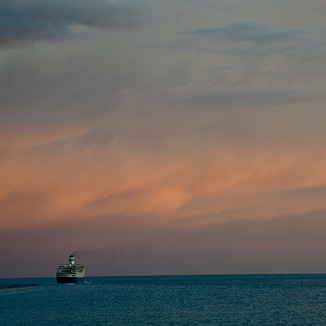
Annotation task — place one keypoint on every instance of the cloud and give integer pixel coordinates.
(251, 32)
(250, 36)
(28, 21)
(221, 98)
(316, 5)
(189, 176)
(246, 40)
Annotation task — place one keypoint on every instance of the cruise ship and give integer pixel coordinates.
(70, 273)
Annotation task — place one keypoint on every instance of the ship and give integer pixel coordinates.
(71, 272)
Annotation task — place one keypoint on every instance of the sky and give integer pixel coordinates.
(162, 136)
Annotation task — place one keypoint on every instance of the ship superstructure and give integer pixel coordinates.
(70, 273)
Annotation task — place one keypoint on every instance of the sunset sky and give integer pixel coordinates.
(162, 136)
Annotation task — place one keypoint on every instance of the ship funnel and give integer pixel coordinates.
(71, 260)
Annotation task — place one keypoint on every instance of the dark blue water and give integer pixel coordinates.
(167, 300)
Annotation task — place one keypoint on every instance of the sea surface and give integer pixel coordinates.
(166, 300)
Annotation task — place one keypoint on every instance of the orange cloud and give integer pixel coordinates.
(215, 182)
(180, 167)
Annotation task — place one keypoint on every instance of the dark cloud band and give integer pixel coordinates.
(251, 32)
(23, 21)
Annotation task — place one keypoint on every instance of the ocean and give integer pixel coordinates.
(292, 299)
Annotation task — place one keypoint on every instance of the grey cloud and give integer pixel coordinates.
(222, 98)
(33, 20)
(52, 89)
(46, 98)
(251, 32)
(242, 38)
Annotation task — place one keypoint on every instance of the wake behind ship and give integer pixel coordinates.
(70, 273)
